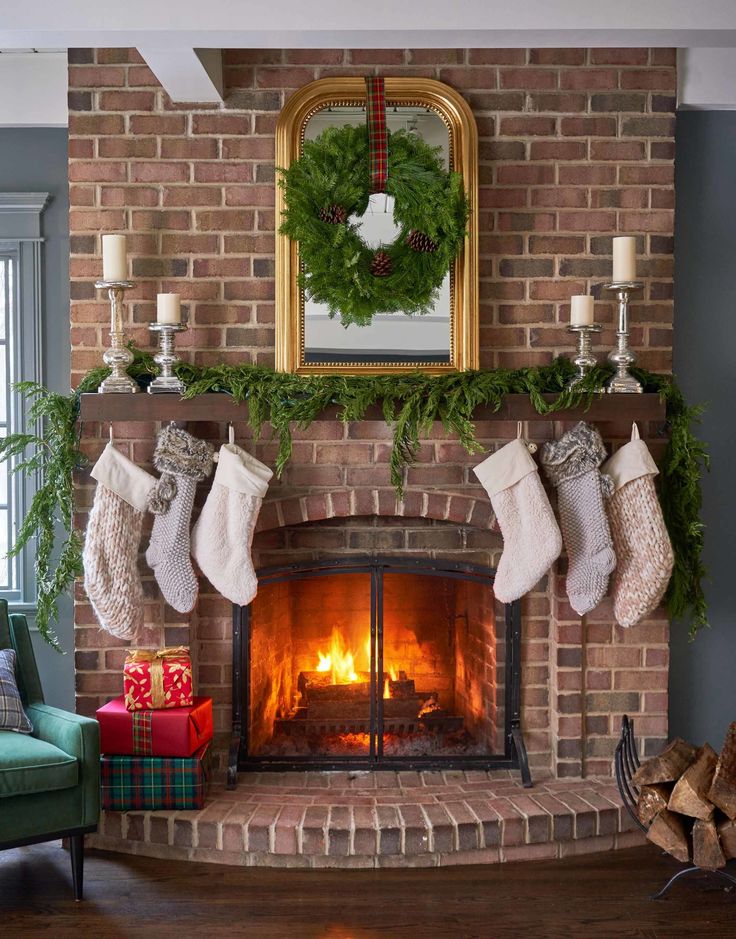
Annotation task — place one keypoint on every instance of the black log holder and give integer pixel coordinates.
(626, 763)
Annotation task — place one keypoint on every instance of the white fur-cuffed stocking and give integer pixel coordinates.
(223, 535)
(531, 537)
(110, 557)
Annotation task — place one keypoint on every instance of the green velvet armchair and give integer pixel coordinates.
(49, 780)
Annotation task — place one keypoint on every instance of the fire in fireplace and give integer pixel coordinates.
(365, 662)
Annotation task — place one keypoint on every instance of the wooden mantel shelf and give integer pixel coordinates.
(220, 407)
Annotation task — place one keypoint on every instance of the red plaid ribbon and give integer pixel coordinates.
(142, 735)
(377, 134)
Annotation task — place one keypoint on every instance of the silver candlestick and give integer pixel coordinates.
(623, 382)
(118, 357)
(166, 358)
(585, 360)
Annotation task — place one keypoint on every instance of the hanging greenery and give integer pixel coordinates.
(327, 189)
(409, 402)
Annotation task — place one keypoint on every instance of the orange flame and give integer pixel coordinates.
(339, 660)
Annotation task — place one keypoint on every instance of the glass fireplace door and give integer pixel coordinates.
(375, 661)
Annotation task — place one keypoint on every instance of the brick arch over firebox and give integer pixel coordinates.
(346, 503)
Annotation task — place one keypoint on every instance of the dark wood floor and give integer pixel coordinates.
(594, 896)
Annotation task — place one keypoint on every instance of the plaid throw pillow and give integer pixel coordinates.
(12, 715)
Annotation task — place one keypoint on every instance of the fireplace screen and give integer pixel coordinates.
(376, 661)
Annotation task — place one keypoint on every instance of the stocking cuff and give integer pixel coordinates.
(577, 452)
(180, 453)
(240, 471)
(115, 471)
(505, 467)
(630, 462)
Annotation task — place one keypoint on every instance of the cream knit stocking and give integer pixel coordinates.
(531, 538)
(643, 547)
(223, 534)
(571, 463)
(183, 461)
(110, 557)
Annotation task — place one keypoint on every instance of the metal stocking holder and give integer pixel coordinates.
(626, 763)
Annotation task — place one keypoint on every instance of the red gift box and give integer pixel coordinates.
(158, 680)
(172, 732)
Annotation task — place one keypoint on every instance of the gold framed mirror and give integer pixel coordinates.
(445, 338)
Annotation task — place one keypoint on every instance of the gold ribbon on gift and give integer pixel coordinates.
(156, 659)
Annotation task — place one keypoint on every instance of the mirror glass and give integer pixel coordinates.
(391, 338)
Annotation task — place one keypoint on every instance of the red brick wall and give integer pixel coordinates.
(575, 145)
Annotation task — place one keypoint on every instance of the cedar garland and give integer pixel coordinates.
(410, 402)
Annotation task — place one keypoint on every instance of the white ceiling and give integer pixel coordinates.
(380, 23)
(181, 39)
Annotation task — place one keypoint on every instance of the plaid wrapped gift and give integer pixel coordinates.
(157, 680)
(147, 783)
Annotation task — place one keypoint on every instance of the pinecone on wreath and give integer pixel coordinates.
(334, 214)
(420, 242)
(381, 264)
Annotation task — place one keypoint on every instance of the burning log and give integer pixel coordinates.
(325, 700)
(668, 766)
(690, 795)
(723, 789)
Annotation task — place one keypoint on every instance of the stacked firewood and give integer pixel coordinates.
(687, 797)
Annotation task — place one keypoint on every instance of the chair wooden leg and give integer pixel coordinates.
(76, 850)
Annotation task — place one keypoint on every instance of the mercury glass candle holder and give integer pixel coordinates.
(623, 382)
(118, 357)
(166, 358)
(584, 360)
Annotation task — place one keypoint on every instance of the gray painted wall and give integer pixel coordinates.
(35, 160)
(703, 673)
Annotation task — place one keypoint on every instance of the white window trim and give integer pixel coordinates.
(20, 235)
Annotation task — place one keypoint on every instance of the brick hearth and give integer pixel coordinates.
(574, 146)
(386, 819)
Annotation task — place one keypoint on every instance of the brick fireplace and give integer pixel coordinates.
(575, 145)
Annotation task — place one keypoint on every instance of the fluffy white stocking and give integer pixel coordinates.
(531, 537)
(111, 544)
(223, 534)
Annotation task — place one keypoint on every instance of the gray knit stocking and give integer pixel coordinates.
(572, 465)
(183, 461)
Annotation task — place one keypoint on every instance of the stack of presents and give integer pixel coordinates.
(155, 737)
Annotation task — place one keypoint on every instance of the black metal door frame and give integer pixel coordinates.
(514, 755)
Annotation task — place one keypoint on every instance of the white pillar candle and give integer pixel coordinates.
(168, 308)
(624, 259)
(114, 258)
(581, 310)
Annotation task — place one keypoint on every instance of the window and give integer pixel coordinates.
(20, 311)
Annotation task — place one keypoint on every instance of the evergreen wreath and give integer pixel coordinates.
(329, 185)
(410, 403)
